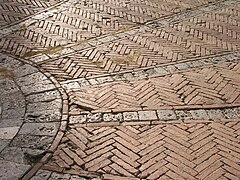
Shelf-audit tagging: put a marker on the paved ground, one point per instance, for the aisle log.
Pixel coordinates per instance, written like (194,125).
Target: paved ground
(107,89)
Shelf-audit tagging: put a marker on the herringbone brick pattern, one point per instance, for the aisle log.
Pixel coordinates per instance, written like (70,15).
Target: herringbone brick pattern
(138,11)
(207,34)
(210,85)
(15,10)
(85,20)
(164,151)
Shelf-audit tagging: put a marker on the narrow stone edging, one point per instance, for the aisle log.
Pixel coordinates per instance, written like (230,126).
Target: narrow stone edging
(146,122)
(153,71)
(159,115)
(7,29)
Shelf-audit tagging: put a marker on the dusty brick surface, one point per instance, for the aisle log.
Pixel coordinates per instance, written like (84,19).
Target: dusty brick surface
(188,150)
(137,89)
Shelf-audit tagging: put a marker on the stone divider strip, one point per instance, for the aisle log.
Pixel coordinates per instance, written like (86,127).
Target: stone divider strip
(135,123)
(155,71)
(211,114)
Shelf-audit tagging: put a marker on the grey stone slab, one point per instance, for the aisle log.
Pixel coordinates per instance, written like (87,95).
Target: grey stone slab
(166,115)
(128,75)
(147,115)
(215,114)
(4,143)
(16,122)
(55,176)
(77,119)
(43,116)
(94,117)
(232,113)
(13,113)
(182,66)
(200,114)
(37,87)
(40,58)
(44,96)
(71,85)
(8,132)
(183,115)
(8,86)
(24,70)
(113,117)
(160,71)
(31,79)
(32,142)
(42,175)
(9,62)
(128,116)
(12,100)
(21,155)
(41,106)
(104,79)
(11,170)
(140,74)
(48,129)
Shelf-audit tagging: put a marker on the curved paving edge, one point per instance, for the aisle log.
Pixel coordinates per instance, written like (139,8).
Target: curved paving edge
(62,128)
(44,115)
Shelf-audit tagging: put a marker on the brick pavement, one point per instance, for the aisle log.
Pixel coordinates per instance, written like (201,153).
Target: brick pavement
(120,90)
(182,150)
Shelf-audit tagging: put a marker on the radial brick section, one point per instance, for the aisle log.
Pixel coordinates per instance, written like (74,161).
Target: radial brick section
(12,11)
(170,151)
(88,19)
(217,85)
(207,34)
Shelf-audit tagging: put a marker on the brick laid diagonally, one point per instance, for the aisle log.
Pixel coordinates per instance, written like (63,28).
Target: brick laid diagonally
(180,150)
(82,21)
(207,34)
(204,86)
(15,10)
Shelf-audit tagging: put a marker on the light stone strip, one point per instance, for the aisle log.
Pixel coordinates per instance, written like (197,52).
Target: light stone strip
(156,71)
(212,114)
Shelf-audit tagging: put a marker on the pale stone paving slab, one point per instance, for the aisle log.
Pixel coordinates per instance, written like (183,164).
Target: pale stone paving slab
(23,144)
(12,170)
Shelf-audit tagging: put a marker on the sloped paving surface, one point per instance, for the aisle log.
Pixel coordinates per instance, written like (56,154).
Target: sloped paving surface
(206,34)
(12,11)
(100,89)
(203,86)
